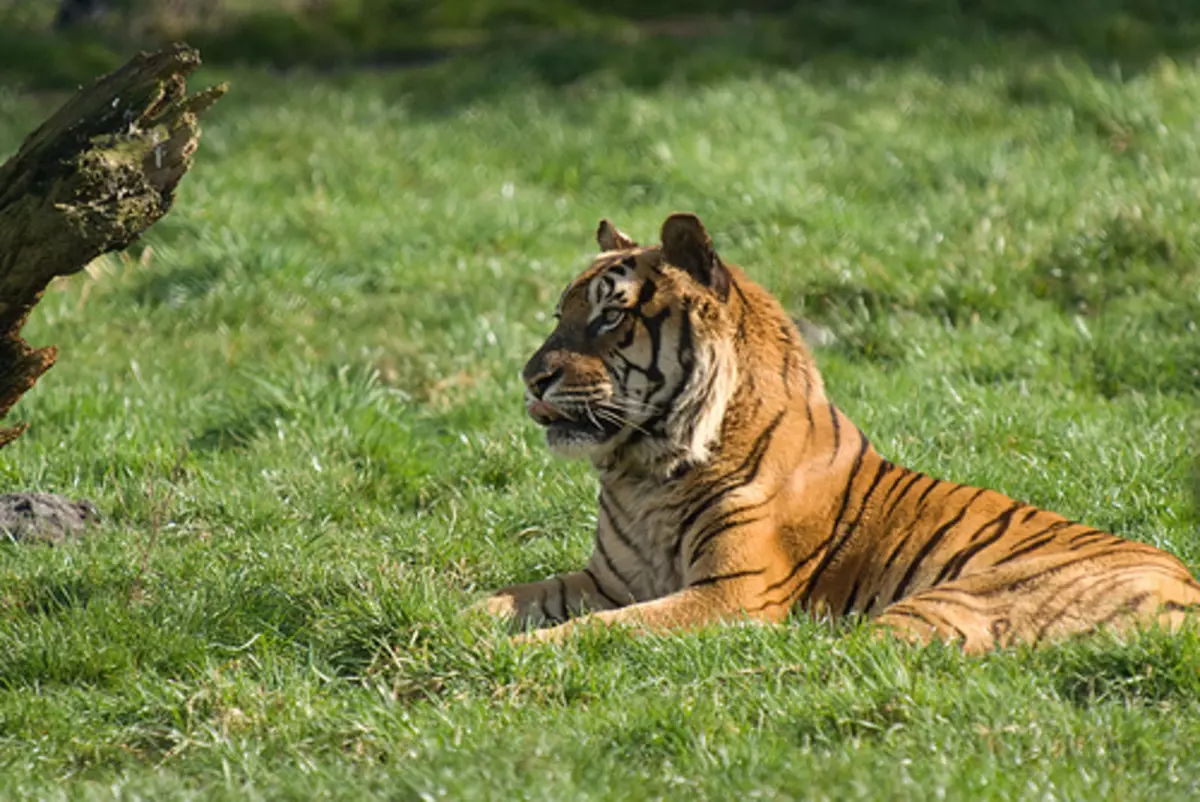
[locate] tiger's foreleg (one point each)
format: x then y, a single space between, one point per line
691 608
551 601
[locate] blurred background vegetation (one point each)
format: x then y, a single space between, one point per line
52 43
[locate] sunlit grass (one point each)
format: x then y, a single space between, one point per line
297 403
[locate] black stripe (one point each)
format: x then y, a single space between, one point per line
1091 540
914 614
870 605
848 607
1005 516
646 292
808 404
914 476
833 551
955 565
795 570
731 481
863 436
837 433
1048 530
712 580
741 328
1176 607
943 623
923 617
685 357
600 588
562 597
1017 553
1001 628
1080 535
1032 512
1031 579
734 479
925 493
717 526
657 423
916 519
930 545
1102 586
616 530
608 563
854 469
1128 606
940 595
766 605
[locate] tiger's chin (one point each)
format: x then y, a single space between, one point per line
580 440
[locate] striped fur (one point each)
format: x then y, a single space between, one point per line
730 486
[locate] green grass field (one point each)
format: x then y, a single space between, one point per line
297 403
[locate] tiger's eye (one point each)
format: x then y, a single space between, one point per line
612 317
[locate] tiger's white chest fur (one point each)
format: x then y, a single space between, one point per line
638 541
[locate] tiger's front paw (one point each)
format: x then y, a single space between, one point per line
499 606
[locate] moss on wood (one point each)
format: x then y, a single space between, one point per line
88 181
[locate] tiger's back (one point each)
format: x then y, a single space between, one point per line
731 486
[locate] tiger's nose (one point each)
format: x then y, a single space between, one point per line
541 383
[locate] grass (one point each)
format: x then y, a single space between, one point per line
297 403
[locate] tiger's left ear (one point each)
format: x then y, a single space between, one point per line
611 238
687 245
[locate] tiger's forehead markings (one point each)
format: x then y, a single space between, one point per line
610 272
609 285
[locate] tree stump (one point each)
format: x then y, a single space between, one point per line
43 518
90 180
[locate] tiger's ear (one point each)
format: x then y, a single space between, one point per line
687 245
611 238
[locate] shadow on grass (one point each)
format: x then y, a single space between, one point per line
236 431
643 45
178 286
1155 667
948 37
49 596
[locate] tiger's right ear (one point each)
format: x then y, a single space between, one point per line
687 245
611 238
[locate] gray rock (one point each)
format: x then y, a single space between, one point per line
816 335
43 517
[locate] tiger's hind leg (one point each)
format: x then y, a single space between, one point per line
950 614
1047 600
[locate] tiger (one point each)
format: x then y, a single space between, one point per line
732 488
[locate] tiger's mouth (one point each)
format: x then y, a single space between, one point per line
570 426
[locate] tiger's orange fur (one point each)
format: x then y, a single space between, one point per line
730 485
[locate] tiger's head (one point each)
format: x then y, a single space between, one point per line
640 365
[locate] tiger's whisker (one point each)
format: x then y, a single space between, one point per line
612 415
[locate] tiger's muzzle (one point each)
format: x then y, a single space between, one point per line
572 404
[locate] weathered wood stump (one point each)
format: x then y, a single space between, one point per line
90 180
